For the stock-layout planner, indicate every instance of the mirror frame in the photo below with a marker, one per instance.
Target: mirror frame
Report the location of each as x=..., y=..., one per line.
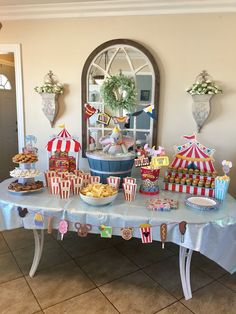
x=84, y=83
x=16, y=50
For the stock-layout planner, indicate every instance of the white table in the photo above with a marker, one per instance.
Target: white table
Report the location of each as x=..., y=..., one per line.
x=211, y=233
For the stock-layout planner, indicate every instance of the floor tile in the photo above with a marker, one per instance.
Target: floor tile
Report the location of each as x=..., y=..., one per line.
x=176, y=308
x=106, y=265
x=53, y=254
x=8, y=268
x=172, y=247
x=82, y=246
x=59, y=283
x=212, y=299
x=3, y=245
x=21, y=238
x=212, y=269
x=137, y=293
x=92, y=302
x=166, y=273
x=143, y=254
x=229, y=281
x=16, y=297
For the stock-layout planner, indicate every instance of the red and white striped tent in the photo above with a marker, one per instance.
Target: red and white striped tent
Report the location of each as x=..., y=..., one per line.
x=193, y=154
x=63, y=142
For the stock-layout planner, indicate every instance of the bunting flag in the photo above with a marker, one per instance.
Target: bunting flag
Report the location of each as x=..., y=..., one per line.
x=104, y=118
x=105, y=231
x=38, y=220
x=89, y=111
x=150, y=111
x=63, y=227
x=146, y=233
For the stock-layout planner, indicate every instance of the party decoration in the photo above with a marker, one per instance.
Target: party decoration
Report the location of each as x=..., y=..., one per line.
x=83, y=229
x=150, y=111
x=121, y=121
x=22, y=212
x=146, y=233
x=63, y=228
x=38, y=220
x=105, y=231
x=129, y=191
x=165, y=204
x=65, y=187
x=163, y=234
x=50, y=220
x=182, y=229
x=127, y=233
x=103, y=118
x=116, y=143
x=89, y=111
x=222, y=182
x=114, y=182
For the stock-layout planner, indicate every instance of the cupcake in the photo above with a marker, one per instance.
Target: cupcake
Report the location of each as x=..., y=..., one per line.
x=180, y=170
x=202, y=173
x=196, y=171
x=190, y=171
x=195, y=182
x=172, y=179
x=214, y=174
x=201, y=183
x=177, y=180
x=166, y=178
x=183, y=181
x=213, y=184
x=188, y=181
x=185, y=170
x=207, y=183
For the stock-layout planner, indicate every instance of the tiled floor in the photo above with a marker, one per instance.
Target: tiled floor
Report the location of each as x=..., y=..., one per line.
x=106, y=276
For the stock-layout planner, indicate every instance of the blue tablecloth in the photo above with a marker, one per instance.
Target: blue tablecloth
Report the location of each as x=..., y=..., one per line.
x=212, y=233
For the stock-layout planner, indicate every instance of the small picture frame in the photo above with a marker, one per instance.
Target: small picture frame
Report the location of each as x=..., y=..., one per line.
x=145, y=95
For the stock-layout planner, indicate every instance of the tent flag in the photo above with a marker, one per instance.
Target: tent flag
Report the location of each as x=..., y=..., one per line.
x=63, y=142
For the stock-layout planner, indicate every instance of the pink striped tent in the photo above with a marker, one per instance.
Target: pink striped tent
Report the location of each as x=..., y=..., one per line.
x=63, y=142
x=195, y=154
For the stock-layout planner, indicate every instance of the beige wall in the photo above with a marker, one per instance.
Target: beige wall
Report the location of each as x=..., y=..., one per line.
x=183, y=45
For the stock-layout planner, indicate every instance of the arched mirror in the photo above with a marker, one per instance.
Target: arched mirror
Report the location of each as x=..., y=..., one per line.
x=120, y=57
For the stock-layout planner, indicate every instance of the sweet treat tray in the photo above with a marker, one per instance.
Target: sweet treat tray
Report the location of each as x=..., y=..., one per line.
x=187, y=175
x=196, y=190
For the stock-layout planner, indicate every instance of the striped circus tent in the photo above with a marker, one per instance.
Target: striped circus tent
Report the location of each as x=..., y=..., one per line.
x=63, y=142
x=193, y=155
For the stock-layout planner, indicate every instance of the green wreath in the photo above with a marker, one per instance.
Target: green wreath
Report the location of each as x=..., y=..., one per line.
x=118, y=92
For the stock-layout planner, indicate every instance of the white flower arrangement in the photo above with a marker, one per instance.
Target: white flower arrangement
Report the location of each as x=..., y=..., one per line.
x=204, y=85
x=50, y=86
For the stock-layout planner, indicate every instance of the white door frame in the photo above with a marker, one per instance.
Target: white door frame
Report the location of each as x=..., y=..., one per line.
x=16, y=49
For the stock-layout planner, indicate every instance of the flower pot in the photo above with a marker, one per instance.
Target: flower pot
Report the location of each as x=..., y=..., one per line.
x=50, y=106
x=201, y=109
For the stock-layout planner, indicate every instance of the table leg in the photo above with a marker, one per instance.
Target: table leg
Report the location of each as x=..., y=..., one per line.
x=185, y=256
x=38, y=248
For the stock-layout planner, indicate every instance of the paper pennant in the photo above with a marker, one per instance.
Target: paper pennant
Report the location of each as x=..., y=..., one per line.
x=63, y=227
x=163, y=234
x=105, y=231
x=83, y=229
x=182, y=229
x=146, y=233
x=150, y=110
x=127, y=233
x=103, y=118
x=22, y=212
x=38, y=220
x=89, y=111
x=50, y=219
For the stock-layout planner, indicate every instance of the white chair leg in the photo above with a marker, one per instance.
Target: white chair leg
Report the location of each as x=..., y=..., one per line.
x=184, y=267
x=38, y=249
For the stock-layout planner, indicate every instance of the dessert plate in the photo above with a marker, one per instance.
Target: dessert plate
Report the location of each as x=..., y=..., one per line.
x=25, y=192
x=202, y=203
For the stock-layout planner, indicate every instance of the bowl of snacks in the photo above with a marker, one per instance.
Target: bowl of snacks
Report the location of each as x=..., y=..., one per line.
x=98, y=194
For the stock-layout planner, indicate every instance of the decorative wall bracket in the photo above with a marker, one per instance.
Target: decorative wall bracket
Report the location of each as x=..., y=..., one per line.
x=50, y=92
x=201, y=109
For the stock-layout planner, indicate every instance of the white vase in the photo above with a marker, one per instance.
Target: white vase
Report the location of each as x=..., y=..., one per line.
x=201, y=109
x=50, y=106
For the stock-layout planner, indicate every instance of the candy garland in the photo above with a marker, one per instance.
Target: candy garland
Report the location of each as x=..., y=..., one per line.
x=146, y=230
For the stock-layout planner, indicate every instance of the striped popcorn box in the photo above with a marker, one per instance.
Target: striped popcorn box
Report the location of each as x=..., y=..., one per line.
x=77, y=185
x=70, y=176
x=48, y=175
x=64, y=188
x=55, y=185
x=61, y=174
x=221, y=187
x=94, y=179
x=129, y=191
x=86, y=179
x=114, y=182
x=129, y=180
x=78, y=173
x=146, y=233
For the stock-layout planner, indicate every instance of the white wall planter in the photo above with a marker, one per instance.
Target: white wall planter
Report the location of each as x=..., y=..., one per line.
x=50, y=106
x=201, y=109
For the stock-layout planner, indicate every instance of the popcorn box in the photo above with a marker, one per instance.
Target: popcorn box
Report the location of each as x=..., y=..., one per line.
x=221, y=187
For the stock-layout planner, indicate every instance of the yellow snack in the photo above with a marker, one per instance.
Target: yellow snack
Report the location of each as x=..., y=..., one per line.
x=98, y=190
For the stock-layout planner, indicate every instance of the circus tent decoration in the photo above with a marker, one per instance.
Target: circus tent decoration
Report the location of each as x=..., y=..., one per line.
x=193, y=155
x=192, y=169
x=59, y=148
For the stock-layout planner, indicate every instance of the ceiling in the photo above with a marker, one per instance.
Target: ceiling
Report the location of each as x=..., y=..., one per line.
x=38, y=9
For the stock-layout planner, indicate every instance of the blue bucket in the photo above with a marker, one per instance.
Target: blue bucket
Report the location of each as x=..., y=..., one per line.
x=105, y=166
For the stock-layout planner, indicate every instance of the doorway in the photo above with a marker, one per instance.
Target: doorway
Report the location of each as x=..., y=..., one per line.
x=11, y=107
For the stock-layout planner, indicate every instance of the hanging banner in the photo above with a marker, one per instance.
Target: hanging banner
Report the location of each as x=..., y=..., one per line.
x=89, y=111
x=146, y=233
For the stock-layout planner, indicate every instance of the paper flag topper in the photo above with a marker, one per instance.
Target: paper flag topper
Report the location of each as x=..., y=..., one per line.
x=182, y=229
x=163, y=234
x=83, y=229
x=89, y=111
x=105, y=231
x=63, y=227
x=127, y=233
x=38, y=220
x=103, y=118
x=150, y=110
x=146, y=233
x=22, y=211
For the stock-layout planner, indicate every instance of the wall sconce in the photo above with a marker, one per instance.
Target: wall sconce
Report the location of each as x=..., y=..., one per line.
x=202, y=91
